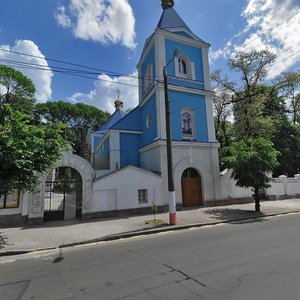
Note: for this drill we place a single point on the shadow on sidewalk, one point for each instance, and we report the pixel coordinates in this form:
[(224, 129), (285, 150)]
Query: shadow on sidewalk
[(65, 223), (239, 215)]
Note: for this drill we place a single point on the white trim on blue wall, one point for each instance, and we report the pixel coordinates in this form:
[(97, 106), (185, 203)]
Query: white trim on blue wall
[(182, 39), (206, 72)]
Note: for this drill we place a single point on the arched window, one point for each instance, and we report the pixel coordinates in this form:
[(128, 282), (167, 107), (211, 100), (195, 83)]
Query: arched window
[(187, 122), (182, 67), (148, 76)]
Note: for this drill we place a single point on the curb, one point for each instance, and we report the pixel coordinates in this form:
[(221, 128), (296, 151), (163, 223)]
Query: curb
[(142, 232)]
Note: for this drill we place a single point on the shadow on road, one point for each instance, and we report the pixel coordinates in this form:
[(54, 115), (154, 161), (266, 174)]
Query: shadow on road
[(238, 215)]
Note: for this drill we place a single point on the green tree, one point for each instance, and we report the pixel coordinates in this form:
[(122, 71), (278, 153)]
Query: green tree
[(251, 162), (247, 99), (222, 109), (16, 90), (78, 118), (252, 70), (26, 150), (286, 140), (261, 116), (289, 84)]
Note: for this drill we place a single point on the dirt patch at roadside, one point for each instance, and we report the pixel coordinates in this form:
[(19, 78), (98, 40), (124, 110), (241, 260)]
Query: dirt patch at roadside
[(3, 240)]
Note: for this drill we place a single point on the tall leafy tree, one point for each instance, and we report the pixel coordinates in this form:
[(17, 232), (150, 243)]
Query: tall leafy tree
[(25, 149), (16, 90), (251, 163), (78, 118), (223, 110), (289, 84), (286, 140), (247, 99), (251, 155)]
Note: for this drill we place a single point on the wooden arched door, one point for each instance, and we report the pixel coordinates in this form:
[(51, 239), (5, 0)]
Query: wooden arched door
[(191, 188)]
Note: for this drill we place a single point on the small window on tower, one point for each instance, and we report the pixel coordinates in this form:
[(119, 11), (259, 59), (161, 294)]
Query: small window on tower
[(149, 120), (182, 66), (148, 77)]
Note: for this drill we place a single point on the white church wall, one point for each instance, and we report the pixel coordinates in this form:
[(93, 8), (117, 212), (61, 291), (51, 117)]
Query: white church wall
[(200, 157), (119, 190), (149, 158), (104, 200), (229, 190)]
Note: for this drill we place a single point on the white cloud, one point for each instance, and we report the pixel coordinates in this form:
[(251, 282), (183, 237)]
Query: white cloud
[(41, 78), (62, 19), (272, 25), (105, 89), (104, 21)]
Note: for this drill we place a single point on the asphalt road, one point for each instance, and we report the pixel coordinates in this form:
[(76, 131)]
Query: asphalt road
[(253, 260)]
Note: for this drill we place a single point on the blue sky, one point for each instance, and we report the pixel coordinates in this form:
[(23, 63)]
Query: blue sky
[(108, 35)]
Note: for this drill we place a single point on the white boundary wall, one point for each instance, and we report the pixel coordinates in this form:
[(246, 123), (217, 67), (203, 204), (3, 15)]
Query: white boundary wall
[(284, 186), (281, 187)]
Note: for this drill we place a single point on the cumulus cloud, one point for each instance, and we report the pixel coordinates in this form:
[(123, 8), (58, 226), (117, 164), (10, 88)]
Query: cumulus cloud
[(104, 21), (41, 78), (105, 92), (272, 25)]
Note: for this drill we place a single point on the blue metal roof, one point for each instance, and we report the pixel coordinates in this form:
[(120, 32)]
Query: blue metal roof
[(171, 20), (114, 118)]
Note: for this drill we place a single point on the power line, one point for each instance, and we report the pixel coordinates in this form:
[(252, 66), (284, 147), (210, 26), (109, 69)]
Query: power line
[(110, 73), (278, 60), (277, 25), (55, 69), (61, 61)]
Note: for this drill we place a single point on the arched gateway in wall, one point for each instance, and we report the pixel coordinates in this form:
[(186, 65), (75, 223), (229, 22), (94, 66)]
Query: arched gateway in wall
[(59, 199), (63, 195), (191, 188)]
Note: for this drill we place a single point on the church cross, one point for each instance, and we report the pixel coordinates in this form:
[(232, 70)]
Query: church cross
[(119, 93)]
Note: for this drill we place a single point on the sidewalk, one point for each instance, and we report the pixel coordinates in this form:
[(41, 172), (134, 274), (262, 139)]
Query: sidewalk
[(68, 233)]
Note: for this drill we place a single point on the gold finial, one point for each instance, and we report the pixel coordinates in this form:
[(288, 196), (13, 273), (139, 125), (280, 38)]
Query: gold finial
[(118, 104), (165, 3)]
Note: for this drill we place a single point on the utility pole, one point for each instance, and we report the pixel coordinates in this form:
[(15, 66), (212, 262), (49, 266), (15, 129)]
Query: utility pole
[(172, 200)]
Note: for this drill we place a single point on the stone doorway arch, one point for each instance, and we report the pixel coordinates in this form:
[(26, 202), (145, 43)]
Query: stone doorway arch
[(87, 174), (191, 188)]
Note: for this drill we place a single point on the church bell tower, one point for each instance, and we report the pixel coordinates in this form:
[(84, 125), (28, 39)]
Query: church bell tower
[(184, 55)]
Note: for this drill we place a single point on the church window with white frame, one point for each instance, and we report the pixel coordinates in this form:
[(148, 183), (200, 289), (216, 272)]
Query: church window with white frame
[(187, 123), (148, 76), (184, 68)]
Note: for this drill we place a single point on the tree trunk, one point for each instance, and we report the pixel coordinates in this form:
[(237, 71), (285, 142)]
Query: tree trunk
[(256, 198)]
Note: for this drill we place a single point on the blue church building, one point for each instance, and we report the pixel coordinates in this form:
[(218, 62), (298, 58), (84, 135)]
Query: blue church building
[(129, 150), (128, 169)]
